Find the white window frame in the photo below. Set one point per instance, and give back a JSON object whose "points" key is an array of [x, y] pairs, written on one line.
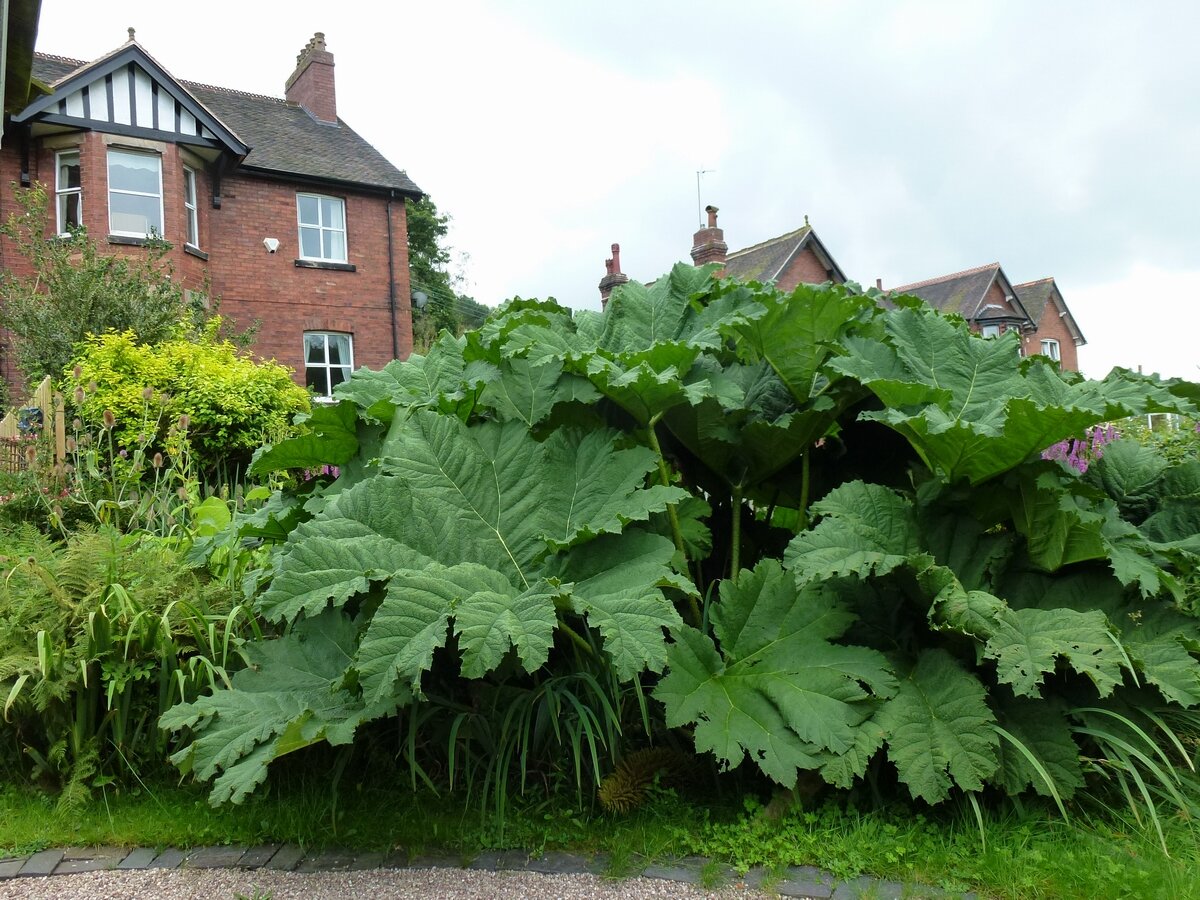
{"points": [[326, 365], [160, 231], [321, 228], [190, 207], [989, 331], [1051, 348], [62, 193]]}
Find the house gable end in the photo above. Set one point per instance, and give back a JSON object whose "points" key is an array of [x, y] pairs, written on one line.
{"points": [[129, 93]]}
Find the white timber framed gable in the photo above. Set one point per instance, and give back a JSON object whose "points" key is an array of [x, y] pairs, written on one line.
{"points": [[127, 94]]}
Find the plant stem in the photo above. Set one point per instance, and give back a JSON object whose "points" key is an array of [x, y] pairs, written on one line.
{"points": [[736, 549], [664, 474], [576, 639], [804, 484]]}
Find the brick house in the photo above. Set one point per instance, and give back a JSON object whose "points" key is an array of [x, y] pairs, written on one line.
{"points": [[992, 305], [788, 260], [983, 296], [274, 204]]}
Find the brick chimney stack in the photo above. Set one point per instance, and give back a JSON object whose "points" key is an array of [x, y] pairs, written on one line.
{"points": [[311, 85], [613, 276], [708, 244]]}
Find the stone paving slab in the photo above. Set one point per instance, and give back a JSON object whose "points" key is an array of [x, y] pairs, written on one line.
{"points": [[42, 863], [805, 881], [141, 858], [365, 862], [257, 857], [326, 861], [686, 870], [171, 858], [396, 859], [215, 857], [874, 889], [90, 859], [557, 863], [499, 860], [10, 866], [286, 858], [435, 861]]}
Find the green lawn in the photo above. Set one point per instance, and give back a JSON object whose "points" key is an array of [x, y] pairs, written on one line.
{"points": [[1032, 856]]}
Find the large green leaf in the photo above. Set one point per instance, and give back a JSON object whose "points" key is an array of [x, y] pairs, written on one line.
{"points": [[1026, 644], [1161, 643], [867, 529], [966, 405], [799, 331], [330, 438], [463, 527], [291, 695], [443, 379], [777, 690], [939, 729], [1042, 729], [528, 393]]}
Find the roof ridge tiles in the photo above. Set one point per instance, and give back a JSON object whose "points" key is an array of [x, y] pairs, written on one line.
{"points": [[1035, 281], [250, 95], [973, 270]]}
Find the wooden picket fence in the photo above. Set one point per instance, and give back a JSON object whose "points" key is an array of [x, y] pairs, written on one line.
{"points": [[39, 418]]}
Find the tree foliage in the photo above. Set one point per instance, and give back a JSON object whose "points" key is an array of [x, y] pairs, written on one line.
{"points": [[74, 289], [447, 308], [816, 528]]}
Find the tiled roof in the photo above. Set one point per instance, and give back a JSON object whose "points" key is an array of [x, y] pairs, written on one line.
{"points": [[763, 262], [283, 137], [1034, 296], [1038, 299], [960, 293]]}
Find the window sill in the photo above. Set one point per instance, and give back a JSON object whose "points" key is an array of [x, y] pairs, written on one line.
{"points": [[195, 251], [320, 264], [130, 240]]}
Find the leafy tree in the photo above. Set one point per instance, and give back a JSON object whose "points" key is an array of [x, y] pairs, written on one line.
{"points": [[818, 532], [428, 262], [74, 290]]}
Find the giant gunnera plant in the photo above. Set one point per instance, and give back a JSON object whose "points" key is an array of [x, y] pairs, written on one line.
{"points": [[809, 532]]}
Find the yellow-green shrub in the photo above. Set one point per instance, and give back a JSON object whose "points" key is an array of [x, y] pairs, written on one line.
{"points": [[234, 404]]}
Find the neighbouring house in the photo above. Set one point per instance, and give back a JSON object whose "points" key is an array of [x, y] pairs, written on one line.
{"points": [[993, 305], [272, 204], [797, 257], [1055, 332], [983, 296]]}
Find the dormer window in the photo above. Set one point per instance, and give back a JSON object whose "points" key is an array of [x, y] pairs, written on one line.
{"points": [[68, 191], [135, 194]]}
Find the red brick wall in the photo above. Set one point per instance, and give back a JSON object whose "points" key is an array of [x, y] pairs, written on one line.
{"points": [[288, 300], [251, 284], [805, 268], [1053, 327]]}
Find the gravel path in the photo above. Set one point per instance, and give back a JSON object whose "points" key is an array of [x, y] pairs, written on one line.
{"points": [[450, 884]]}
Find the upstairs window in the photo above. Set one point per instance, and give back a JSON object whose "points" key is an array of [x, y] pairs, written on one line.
{"points": [[990, 331], [1050, 349], [328, 361], [135, 194], [189, 206], [68, 191], [322, 222]]}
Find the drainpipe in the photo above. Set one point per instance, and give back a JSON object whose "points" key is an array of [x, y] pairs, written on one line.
{"points": [[392, 278]]}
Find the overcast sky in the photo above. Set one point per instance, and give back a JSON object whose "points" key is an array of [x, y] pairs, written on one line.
{"points": [[920, 138]]}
